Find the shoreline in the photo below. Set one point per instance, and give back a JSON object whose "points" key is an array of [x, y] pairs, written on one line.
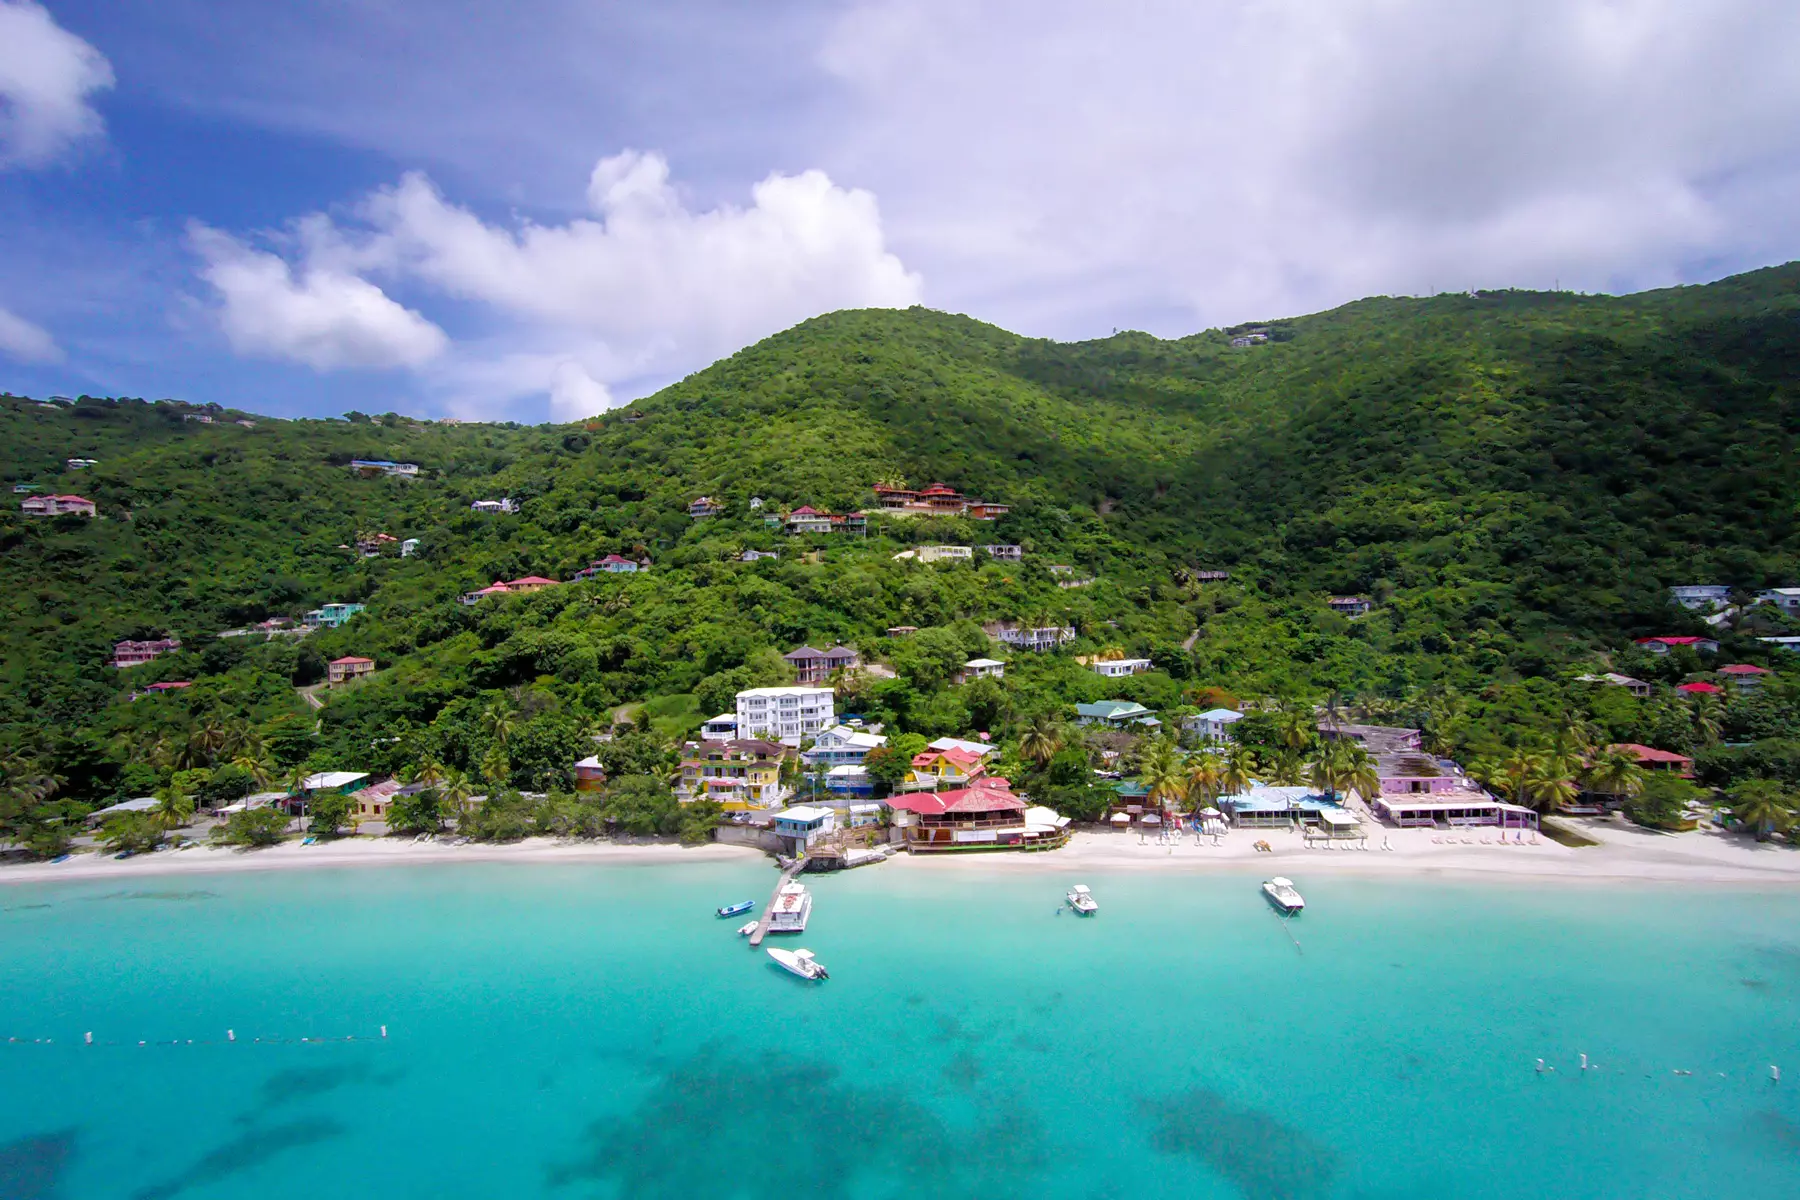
{"points": [[1626, 854]]}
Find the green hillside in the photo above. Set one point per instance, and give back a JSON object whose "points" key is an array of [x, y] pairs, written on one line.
{"points": [[1514, 478]]}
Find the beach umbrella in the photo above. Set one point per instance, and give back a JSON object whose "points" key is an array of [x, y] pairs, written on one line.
{"points": [[1211, 812], [1121, 818], [1152, 819]]}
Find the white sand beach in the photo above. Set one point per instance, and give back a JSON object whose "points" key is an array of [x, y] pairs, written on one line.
{"points": [[1625, 853]]}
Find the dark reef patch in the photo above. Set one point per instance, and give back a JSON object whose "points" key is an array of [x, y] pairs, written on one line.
{"points": [[245, 1152], [1262, 1157], [32, 1168], [304, 1083]]}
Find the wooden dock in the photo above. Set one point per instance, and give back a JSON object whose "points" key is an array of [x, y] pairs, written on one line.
{"points": [[762, 925]]}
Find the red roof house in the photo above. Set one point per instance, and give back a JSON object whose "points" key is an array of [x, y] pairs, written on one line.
{"points": [[1662, 645], [343, 670], [1653, 759], [1700, 688]]}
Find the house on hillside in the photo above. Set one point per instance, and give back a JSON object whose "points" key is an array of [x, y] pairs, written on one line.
{"points": [[1349, 606], [1001, 552], [376, 468], [409, 547], [612, 564], [785, 714], [1376, 739], [983, 816], [841, 746], [932, 770], [1118, 668], [505, 504], [705, 506], [80, 464], [346, 669], [1663, 645], [1116, 714], [900, 631], [721, 728], [57, 506], [136, 654], [1747, 677], [1700, 597], [741, 774], [1243, 340], [981, 668], [937, 500], [758, 555], [510, 587], [807, 519], [816, 666], [930, 554], [1652, 759], [331, 616], [1213, 725], [1636, 687], [1700, 688], [1039, 639], [1787, 599]]}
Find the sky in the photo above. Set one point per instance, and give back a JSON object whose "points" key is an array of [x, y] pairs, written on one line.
{"points": [[531, 212]]}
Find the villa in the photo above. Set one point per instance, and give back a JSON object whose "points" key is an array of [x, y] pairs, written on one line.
{"points": [[612, 564], [932, 770], [1636, 687], [1700, 597], [1213, 725], [331, 616], [984, 816], [742, 774], [409, 547], [57, 506], [136, 654], [980, 749], [375, 468], [981, 668], [344, 670], [1349, 606], [758, 555], [1652, 759], [931, 554], [1700, 688], [721, 728], [1115, 714], [900, 631], [1663, 645], [705, 506], [1376, 739], [807, 519], [511, 587], [785, 714], [504, 505], [841, 746], [80, 464], [1048, 637], [1118, 668], [938, 500], [1004, 553], [1787, 599], [816, 666], [1747, 677], [590, 776]]}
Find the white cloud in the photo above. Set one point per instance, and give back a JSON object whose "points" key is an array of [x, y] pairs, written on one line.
{"points": [[25, 342], [326, 319], [46, 77], [644, 289], [1054, 162]]}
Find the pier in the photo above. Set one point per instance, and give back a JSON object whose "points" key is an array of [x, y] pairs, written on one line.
{"points": [[787, 873]]}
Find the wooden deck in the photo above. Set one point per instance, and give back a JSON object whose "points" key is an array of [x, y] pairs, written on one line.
{"points": [[762, 925]]}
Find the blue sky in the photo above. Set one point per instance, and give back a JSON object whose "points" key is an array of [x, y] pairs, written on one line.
{"points": [[488, 209]]}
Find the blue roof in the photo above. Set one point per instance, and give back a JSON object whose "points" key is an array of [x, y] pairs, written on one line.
{"points": [[1131, 788]]}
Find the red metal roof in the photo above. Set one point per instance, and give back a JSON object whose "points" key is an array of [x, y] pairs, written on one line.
{"points": [[349, 658], [1673, 641], [530, 579], [1743, 669], [1702, 688], [1649, 754]]}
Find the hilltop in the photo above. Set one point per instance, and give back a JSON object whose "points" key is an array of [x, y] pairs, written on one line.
{"points": [[1514, 479]]}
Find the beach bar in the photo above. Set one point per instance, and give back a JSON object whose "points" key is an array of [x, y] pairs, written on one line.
{"points": [[1452, 809]]}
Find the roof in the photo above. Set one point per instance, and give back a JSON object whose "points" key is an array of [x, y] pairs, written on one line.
{"points": [[992, 796], [803, 813], [1650, 754], [776, 692], [532, 579], [1673, 641], [349, 658], [169, 686], [332, 779], [141, 804], [805, 653], [1700, 688], [950, 743], [590, 763], [1221, 714], [848, 772], [984, 662], [618, 558], [1743, 669], [1111, 709], [954, 755]]}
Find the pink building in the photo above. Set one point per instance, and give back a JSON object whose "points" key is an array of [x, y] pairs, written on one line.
{"points": [[56, 506], [136, 654]]}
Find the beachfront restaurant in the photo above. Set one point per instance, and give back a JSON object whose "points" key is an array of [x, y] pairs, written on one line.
{"points": [[1451, 810], [984, 816], [1264, 806]]}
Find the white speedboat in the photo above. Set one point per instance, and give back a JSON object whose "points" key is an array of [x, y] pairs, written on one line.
{"points": [[746, 929], [1282, 895], [1082, 900], [799, 962], [793, 905]]}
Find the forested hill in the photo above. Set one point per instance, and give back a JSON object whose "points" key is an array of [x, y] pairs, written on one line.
{"points": [[1514, 478]]}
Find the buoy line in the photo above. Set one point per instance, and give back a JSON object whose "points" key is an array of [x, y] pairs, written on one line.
{"points": [[231, 1039]]}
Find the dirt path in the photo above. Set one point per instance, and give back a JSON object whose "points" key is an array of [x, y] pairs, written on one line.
{"points": [[311, 696]]}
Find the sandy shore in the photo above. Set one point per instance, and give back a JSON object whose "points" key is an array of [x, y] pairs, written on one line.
{"points": [[1625, 853]]}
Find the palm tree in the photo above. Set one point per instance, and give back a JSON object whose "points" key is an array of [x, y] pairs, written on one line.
{"points": [[1294, 728], [1240, 772], [1162, 774], [257, 764], [1518, 771], [1616, 773], [429, 772], [497, 722], [456, 791], [1488, 772], [174, 807], [1363, 778], [1288, 769], [1203, 773], [1551, 788], [1763, 805], [1041, 740], [1708, 715]]}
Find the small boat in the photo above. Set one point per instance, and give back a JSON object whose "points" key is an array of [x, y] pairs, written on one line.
{"points": [[742, 906], [307, 841], [792, 908], [1282, 895], [1082, 900], [746, 929], [799, 962]]}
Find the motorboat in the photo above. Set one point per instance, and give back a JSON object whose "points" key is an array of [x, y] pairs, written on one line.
{"points": [[799, 962], [746, 929], [1282, 895], [1082, 900], [792, 907], [732, 910]]}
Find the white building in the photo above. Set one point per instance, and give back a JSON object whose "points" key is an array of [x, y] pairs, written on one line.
{"points": [[841, 746], [981, 749], [409, 547], [1214, 725], [1116, 668], [1005, 553], [981, 668], [1787, 599], [1048, 637], [722, 728], [946, 553], [1701, 597], [506, 505], [784, 714]]}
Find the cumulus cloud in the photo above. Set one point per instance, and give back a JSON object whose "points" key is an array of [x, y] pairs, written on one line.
{"points": [[47, 75], [1054, 161], [24, 342], [644, 288], [324, 318]]}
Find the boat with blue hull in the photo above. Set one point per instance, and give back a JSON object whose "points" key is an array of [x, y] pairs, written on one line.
{"points": [[742, 906]]}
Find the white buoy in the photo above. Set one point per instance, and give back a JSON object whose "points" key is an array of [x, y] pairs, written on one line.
{"points": [[1540, 1066], [1584, 1062], [231, 1035], [384, 1027], [90, 1038], [1774, 1073]]}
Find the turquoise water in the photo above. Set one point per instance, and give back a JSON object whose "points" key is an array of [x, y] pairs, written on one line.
{"points": [[579, 1031]]}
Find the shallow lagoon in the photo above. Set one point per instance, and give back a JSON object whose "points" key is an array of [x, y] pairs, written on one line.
{"points": [[573, 1031]]}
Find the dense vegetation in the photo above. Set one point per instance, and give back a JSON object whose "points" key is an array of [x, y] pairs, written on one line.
{"points": [[1514, 479]]}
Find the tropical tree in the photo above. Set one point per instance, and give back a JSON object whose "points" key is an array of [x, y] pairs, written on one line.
{"points": [[1041, 739], [494, 765], [1239, 772], [1518, 771], [1203, 771], [498, 722], [1161, 773], [1616, 773], [1288, 768], [174, 807], [456, 791], [1295, 728], [1763, 805], [1708, 716], [1550, 785], [255, 762]]}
